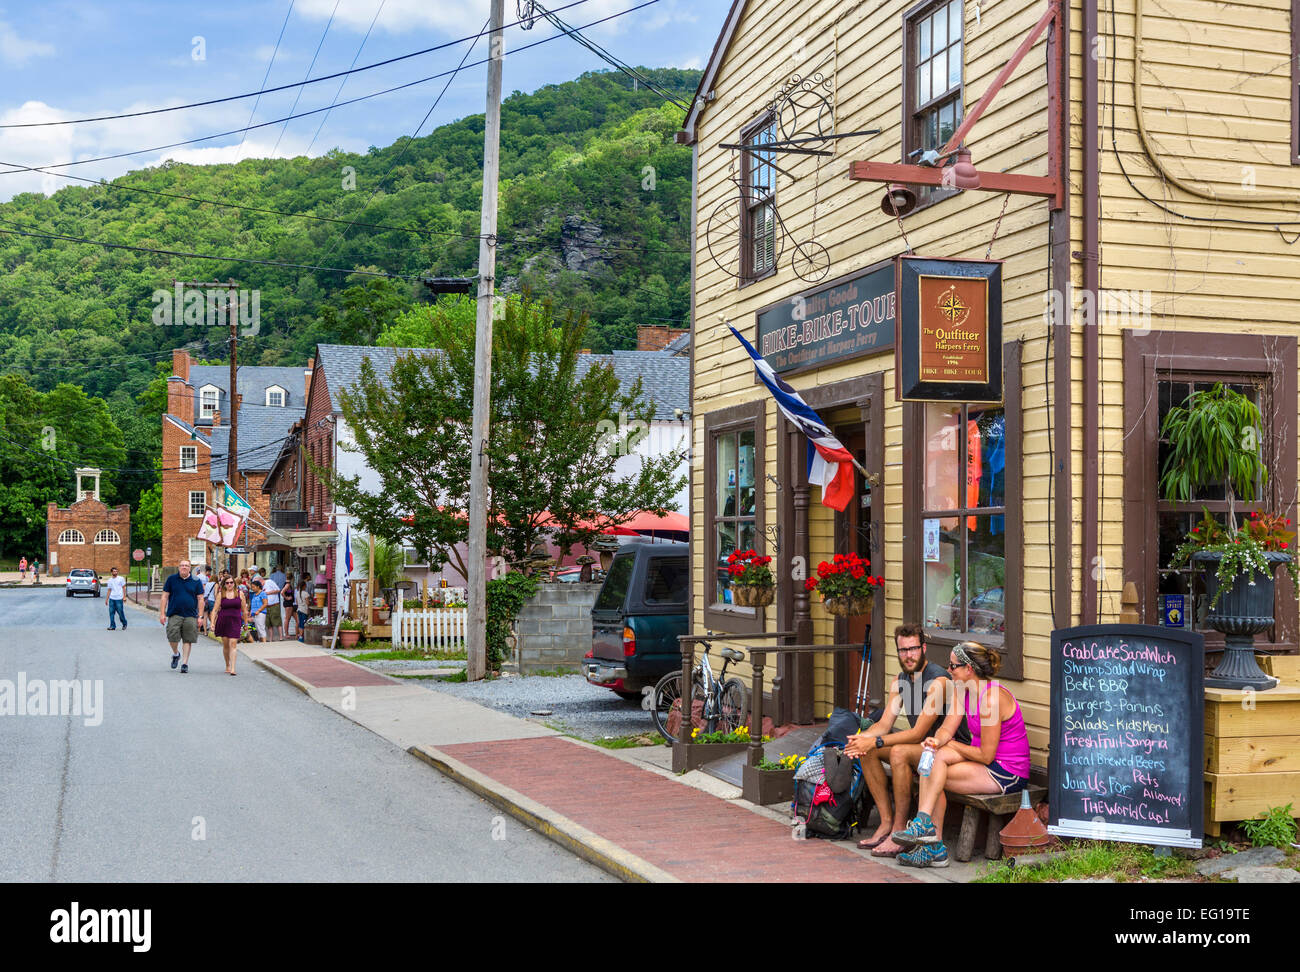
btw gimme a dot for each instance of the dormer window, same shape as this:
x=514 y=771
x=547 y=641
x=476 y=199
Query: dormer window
x=276 y=396
x=208 y=397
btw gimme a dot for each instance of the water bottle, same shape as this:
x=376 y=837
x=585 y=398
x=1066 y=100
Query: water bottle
x=927 y=761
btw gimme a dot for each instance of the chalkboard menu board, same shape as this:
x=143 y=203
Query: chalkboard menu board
x=1128 y=729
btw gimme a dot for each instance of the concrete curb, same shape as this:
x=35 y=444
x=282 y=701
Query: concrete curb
x=572 y=836
x=293 y=680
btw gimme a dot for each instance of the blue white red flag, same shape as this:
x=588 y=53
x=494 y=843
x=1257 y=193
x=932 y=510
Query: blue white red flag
x=347 y=552
x=829 y=464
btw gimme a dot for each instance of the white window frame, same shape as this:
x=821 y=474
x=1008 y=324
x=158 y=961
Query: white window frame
x=193 y=464
x=66 y=536
x=204 y=502
x=197 y=550
x=284 y=397
x=204 y=411
x=101 y=538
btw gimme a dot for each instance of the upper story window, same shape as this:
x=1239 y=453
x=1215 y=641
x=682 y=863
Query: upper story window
x=198 y=502
x=758 y=203
x=71 y=536
x=932 y=99
x=275 y=395
x=208 y=398
x=189 y=458
x=107 y=536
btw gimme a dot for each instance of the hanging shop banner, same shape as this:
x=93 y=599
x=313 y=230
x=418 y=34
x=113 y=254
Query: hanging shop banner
x=1127 y=731
x=235 y=503
x=847 y=318
x=949 y=345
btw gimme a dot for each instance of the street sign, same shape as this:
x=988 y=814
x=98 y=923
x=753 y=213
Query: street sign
x=237 y=550
x=137 y=555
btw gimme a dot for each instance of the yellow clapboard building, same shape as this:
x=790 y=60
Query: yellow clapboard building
x=1137 y=181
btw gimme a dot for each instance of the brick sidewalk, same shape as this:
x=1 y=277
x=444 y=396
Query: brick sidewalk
x=691 y=835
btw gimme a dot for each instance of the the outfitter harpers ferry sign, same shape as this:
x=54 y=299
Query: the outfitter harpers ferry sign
x=847 y=318
x=950 y=330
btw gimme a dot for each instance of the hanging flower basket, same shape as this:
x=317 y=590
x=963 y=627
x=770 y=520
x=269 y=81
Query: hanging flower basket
x=844 y=607
x=753 y=596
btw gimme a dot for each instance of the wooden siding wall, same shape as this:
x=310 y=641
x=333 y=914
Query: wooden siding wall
x=859 y=47
x=1216 y=92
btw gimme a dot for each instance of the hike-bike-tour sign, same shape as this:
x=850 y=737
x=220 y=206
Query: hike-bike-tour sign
x=847 y=318
x=1128 y=718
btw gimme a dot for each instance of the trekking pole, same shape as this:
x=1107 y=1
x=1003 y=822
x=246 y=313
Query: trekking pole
x=863 y=701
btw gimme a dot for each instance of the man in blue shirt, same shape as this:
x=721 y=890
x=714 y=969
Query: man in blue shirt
x=179 y=611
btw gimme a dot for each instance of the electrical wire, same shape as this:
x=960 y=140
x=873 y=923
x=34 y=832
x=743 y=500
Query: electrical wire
x=298 y=96
x=344 y=80
x=283 y=87
x=266 y=77
x=314 y=111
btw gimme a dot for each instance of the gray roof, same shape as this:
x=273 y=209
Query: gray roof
x=665 y=378
x=252 y=382
x=262 y=432
x=679 y=345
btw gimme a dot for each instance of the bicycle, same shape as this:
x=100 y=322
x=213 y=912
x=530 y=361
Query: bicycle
x=725 y=700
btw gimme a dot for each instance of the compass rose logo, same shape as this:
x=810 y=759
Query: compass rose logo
x=952 y=307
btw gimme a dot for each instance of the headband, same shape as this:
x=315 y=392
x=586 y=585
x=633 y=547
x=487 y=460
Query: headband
x=959 y=653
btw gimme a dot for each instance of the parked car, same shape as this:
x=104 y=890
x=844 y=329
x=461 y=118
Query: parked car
x=82 y=581
x=637 y=618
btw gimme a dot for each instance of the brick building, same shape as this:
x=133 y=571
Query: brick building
x=196 y=448
x=88 y=533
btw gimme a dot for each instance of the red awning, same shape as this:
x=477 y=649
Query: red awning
x=645 y=521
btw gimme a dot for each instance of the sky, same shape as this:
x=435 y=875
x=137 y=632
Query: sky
x=68 y=59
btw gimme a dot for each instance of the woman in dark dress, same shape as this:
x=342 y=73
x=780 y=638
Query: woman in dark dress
x=287 y=605
x=228 y=616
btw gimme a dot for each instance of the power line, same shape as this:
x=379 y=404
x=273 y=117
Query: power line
x=156 y=470
x=344 y=80
x=266 y=77
x=314 y=111
x=283 y=87
x=298 y=96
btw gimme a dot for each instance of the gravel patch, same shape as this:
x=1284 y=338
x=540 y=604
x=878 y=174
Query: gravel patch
x=575 y=706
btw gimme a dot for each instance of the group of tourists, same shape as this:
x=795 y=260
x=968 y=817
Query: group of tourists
x=966 y=735
x=35 y=567
x=243 y=607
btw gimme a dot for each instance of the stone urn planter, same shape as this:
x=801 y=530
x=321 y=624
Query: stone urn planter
x=1244 y=610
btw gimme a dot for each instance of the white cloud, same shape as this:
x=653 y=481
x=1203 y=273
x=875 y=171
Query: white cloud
x=15 y=51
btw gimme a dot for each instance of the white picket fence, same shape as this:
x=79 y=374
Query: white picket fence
x=431 y=629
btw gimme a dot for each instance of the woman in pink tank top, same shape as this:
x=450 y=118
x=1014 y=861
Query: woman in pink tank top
x=996 y=761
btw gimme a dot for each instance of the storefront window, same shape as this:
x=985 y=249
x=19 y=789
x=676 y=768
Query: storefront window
x=1180 y=592
x=734 y=502
x=964 y=518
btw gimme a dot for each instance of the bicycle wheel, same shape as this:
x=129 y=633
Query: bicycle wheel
x=666 y=705
x=733 y=705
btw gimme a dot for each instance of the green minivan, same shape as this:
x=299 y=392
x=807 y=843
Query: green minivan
x=638 y=616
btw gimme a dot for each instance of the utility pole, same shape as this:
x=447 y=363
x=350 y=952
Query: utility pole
x=476 y=635
x=232 y=458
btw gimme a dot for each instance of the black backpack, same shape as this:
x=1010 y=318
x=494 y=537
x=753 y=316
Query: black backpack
x=833 y=819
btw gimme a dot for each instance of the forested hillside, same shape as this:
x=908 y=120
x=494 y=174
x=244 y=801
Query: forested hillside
x=595 y=212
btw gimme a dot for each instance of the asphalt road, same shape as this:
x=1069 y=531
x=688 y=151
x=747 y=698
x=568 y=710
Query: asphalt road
x=203 y=777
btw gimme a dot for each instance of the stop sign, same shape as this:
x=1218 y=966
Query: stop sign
x=137 y=554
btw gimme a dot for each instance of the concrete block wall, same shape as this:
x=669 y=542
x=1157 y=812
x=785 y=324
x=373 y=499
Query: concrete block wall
x=553 y=629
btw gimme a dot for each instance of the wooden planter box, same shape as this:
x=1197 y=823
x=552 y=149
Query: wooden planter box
x=692 y=756
x=766 y=787
x=313 y=634
x=1252 y=748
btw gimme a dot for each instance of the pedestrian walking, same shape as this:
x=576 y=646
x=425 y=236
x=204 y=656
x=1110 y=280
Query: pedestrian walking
x=116 y=599
x=227 y=617
x=22 y=570
x=302 y=605
x=209 y=589
x=288 y=602
x=36 y=571
x=274 y=616
x=179 y=611
x=257 y=604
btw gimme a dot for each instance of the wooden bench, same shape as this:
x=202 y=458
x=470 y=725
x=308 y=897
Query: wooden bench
x=997 y=809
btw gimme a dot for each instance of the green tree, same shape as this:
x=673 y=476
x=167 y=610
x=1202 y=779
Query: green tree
x=552 y=445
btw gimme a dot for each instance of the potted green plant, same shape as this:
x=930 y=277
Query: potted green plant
x=1213 y=439
x=350 y=632
x=844 y=585
x=751 y=579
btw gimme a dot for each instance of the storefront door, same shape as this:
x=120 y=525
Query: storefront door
x=853 y=535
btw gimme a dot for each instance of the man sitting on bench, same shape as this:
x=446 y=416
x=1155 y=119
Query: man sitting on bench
x=921 y=692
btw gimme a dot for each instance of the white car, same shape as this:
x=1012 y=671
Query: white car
x=82 y=581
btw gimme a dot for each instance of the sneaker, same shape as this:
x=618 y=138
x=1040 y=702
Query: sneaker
x=176 y=659
x=919 y=831
x=185 y=669
x=925 y=855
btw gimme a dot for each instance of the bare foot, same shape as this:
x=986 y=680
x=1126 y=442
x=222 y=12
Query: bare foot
x=883 y=831
x=887 y=848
